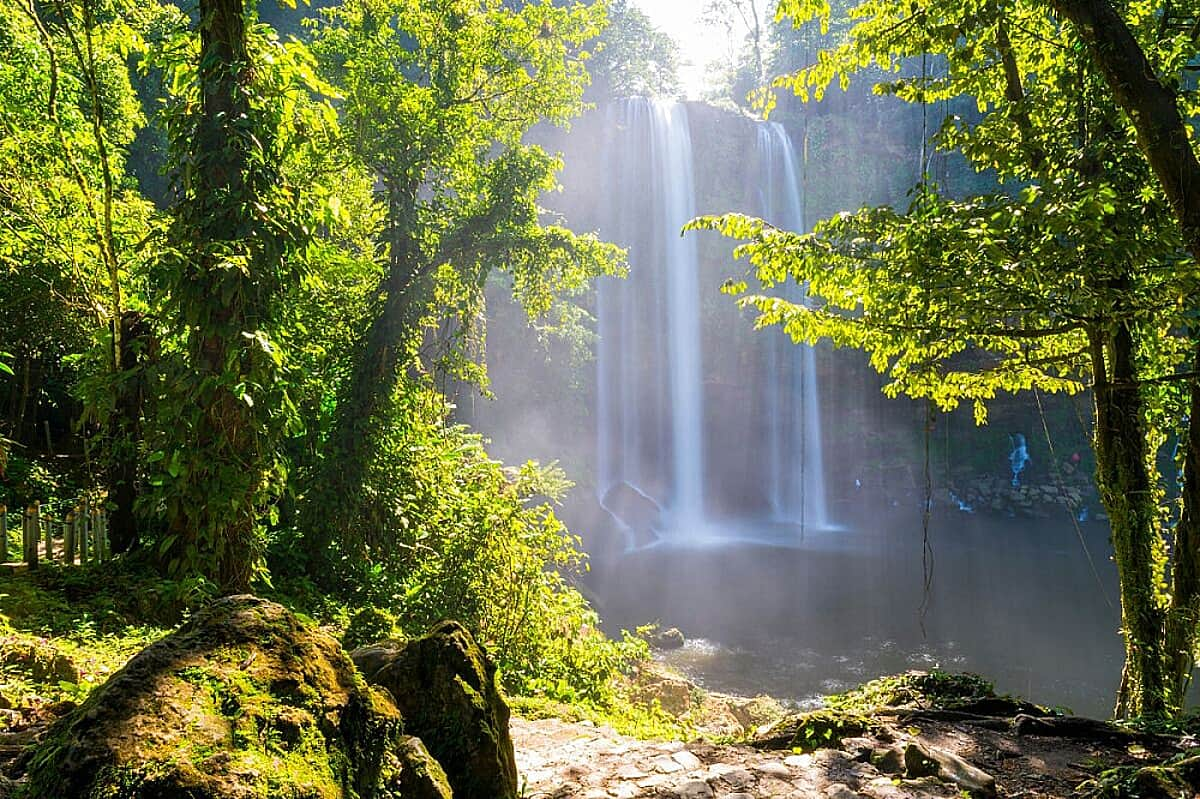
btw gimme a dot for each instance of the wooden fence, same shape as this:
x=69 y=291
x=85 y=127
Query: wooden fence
x=80 y=535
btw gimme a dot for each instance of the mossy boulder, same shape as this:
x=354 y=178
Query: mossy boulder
x=244 y=700
x=816 y=729
x=445 y=688
x=963 y=692
x=36 y=659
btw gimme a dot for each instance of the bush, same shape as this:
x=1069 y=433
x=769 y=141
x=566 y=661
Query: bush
x=455 y=534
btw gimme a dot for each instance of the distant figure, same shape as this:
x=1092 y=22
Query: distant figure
x=1076 y=458
x=1018 y=459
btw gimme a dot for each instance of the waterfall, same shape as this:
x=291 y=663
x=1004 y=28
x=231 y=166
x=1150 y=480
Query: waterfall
x=650 y=406
x=651 y=460
x=791 y=404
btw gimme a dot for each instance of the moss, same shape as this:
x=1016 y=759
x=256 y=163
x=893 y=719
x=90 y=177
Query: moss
x=818 y=729
x=243 y=701
x=933 y=689
x=1177 y=776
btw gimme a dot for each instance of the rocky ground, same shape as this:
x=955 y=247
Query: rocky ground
x=906 y=753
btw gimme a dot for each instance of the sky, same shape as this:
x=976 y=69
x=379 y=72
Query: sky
x=698 y=45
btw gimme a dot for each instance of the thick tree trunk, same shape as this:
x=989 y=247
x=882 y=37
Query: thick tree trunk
x=1125 y=488
x=224 y=540
x=1153 y=107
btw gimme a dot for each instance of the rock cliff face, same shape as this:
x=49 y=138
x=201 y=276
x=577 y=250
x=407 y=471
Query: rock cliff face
x=246 y=700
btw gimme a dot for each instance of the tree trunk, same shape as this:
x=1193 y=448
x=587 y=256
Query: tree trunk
x=1184 y=615
x=125 y=434
x=1152 y=106
x=219 y=537
x=1125 y=489
x=382 y=353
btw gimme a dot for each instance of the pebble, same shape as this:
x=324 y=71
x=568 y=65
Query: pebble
x=798 y=761
x=628 y=771
x=693 y=789
x=839 y=791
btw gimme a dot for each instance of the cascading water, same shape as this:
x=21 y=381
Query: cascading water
x=791 y=399
x=651 y=395
x=650 y=405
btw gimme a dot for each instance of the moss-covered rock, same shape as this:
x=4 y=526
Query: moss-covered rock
x=963 y=692
x=445 y=688
x=37 y=660
x=817 y=729
x=243 y=701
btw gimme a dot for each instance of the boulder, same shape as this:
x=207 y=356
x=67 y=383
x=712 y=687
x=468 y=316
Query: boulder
x=668 y=639
x=244 y=700
x=637 y=512
x=926 y=761
x=658 y=683
x=445 y=688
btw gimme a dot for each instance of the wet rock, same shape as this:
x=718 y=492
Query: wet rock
x=921 y=760
x=243 y=700
x=668 y=639
x=636 y=511
x=445 y=688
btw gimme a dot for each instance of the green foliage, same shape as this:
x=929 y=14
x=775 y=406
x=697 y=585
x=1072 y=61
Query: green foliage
x=1072 y=272
x=455 y=534
x=368 y=626
x=632 y=58
x=923 y=689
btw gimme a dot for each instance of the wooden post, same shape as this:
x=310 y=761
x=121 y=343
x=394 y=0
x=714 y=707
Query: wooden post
x=97 y=538
x=84 y=544
x=31 y=536
x=69 y=538
x=104 y=546
x=48 y=525
x=3 y=534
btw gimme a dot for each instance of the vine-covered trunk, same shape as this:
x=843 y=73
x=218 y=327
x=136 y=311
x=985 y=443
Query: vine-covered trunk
x=1184 y=616
x=1125 y=489
x=382 y=353
x=213 y=521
